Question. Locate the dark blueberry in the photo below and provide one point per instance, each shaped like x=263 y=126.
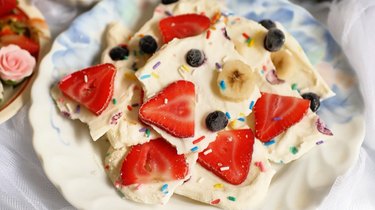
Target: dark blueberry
x=216 y=121
x=148 y=44
x=195 y=58
x=274 y=40
x=268 y=24
x=119 y=53
x=168 y=1
x=314 y=100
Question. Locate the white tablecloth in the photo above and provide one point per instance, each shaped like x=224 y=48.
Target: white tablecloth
x=23 y=184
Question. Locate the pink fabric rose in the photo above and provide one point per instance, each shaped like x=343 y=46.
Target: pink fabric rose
x=15 y=63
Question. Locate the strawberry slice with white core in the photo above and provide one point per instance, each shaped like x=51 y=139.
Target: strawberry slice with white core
x=229 y=156
x=183 y=26
x=172 y=109
x=91 y=87
x=275 y=113
x=153 y=162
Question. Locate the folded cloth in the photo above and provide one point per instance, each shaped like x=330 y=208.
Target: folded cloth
x=352 y=24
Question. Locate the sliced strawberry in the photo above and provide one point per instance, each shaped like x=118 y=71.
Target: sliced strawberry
x=172 y=109
x=91 y=87
x=6 y=30
x=155 y=161
x=16 y=14
x=183 y=26
x=22 y=41
x=6 y=6
x=275 y=114
x=229 y=156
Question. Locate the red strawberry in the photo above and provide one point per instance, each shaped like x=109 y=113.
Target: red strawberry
x=6 y=30
x=91 y=87
x=155 y=161
x=275 y=114
x=229 y=156
x=183 y=26
x=6 y=6
x=17 y=15
x=22 y=41
x=172 y=109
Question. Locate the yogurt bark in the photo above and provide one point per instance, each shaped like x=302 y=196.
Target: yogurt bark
x=172 y=67
x=291 y=62
x=150 y=193
x=206 y=187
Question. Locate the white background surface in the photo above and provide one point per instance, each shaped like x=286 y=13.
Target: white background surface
x=23 y=184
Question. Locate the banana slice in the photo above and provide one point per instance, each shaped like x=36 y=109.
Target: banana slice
x=284 y=63
x=235 y=81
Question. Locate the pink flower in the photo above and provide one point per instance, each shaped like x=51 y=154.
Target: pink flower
x=15 y=63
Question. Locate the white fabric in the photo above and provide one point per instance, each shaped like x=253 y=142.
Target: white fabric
x=23 y=184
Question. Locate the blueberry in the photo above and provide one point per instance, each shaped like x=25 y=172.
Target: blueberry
x=148 y=44
x=268 y=24
x=168 y=1
x=274 y=40
x=119 y=53
x=314 y=100
x=195 y=58
x=216 y=121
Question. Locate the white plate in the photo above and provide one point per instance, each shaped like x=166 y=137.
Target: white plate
x=15 y=97
x=75 y=164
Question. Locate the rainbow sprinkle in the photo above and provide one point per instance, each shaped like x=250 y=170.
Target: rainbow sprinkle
x=129 y=108
x=260 y=166
x=142 y=130
x=241 y=119
x=217 y=201
x=219 y=67
x=293 y=150
x=251 y=105
x=223 y=85
x=250 y=42
x=208 y=34
x=145 y=76
x=294 y=86
x=114 y=101
x=155 y=75
x=225 y=168
x=228 y=115
x=185 y=68
x=194 y=149
x=85 y=78
x=156 y=65
x=207 y=152
x=164 y=188
x=78 y=109
x=231 y=198
x=319 y=142
x=277 y=118
x=246 y=36
x=198 y=140
x=138 y=186
x=269 y=143
x=218 y=186
x=168 y=13
x=148 y=132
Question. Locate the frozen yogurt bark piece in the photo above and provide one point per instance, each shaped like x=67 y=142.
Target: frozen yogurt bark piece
x=232 y=173
x=170 y=64
x=291 y=63
x=118 y=36
x=109 y=118
x=299 y=138
x=148 y=173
